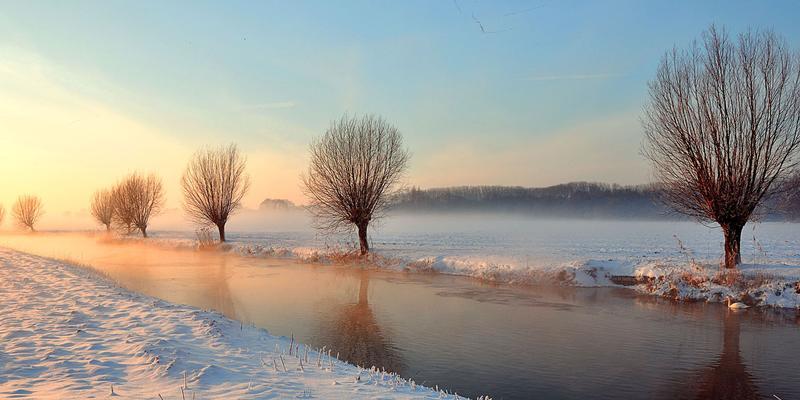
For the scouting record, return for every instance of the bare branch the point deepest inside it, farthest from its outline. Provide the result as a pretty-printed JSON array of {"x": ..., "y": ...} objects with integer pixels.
[
  {"x": 137, "y": 198},
  {"x": 102, "y": 207},
  {"x": 26, "y": 211},
  {"x": 355, "y": 167},
  {"x": 214, "y": 184},
  {"x": 722, "y": 127}
]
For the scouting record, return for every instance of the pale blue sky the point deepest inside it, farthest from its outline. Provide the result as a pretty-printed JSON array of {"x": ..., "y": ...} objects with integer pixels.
[{"x": 553, "y": 96}]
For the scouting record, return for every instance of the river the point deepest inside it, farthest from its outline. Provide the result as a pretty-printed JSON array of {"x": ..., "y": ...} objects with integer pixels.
[{"x": 466, "y": 335}]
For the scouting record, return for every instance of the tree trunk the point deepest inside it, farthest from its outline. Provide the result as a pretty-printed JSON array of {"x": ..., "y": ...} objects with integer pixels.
[
  {"x": 733, "y": 239},
  {"x": 144, "y": 231},
  {"x": 362, "y": 238},
  {"x": 221, "y": 229},
  {"x": 108, "y": 227}
]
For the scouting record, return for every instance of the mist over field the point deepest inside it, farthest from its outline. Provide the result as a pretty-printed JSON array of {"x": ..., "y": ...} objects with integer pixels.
[
  {"x": 518, "y": 239},
  {"x": 506, "y": 199}
]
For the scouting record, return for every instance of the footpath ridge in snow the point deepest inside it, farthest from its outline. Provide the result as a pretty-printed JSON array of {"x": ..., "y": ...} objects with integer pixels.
[{"x": 66, "y": 332}]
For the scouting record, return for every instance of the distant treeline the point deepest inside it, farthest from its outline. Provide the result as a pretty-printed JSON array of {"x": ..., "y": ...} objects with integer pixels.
[{"x": 572, "y": 200}]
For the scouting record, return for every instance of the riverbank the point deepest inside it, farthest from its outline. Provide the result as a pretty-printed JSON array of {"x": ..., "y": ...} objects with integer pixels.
[
  {"x": 756, "y": 285},
  {"x": 67, "y": 332},
  {"x": 770, "y": 278},
  {"x": 770, "y": 283}
]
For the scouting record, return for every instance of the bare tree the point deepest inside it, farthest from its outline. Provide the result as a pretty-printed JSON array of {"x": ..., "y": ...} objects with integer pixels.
[
  {"x": 2, "y": 213},
  {"x": 137, "y": 198},
  {"x": 103, "y": 207},
  {"x": 27, "y": 210},
  {"x": 788, "y": 204},
  {"x": 722, "y": 128},
  {"x": 213, "y": 184},
  {"x": 122, "y": 216},
  {"x": 354, "y": 168}
]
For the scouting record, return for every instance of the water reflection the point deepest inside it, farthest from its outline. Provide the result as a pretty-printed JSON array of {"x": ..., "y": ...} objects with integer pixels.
[
  {"x": 727, "y": 378},
  {"x": 219, "y": 291},
  {"x": 472, "y": 337},
  {"x": 354, "y": 332}
]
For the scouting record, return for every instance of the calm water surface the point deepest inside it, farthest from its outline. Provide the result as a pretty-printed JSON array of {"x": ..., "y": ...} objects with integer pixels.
[{"x": 468, "y": 336}]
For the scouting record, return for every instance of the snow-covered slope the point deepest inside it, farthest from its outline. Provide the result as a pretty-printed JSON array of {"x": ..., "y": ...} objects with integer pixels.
[{"x": 66, "y": 332}]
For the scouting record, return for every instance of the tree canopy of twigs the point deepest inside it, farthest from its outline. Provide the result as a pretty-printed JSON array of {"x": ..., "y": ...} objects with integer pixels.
[
  {"x": 137, "y": 198},
  {"x": 122, "y": 217},
  {"x": 722, "y": 128},
  {"x": 102, "y": 207},
  {"x": 214, "y": 184},
  {"x": 355, "y": 166},
  {"x": 788, "y": 203},
  {"x": 26, "y": 211}
]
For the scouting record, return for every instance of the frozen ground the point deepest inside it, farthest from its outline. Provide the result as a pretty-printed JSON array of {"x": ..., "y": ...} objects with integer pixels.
[
  {"x": 66, "y": 332},
  {"x": 674, "y": 259}
]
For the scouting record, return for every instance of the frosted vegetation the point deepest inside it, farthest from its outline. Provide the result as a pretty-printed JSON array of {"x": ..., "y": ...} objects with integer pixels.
[{"x": 676, "y": 259}]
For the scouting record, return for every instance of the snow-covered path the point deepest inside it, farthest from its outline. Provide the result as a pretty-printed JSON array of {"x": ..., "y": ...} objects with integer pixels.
[{"x": 67, "y": 333}]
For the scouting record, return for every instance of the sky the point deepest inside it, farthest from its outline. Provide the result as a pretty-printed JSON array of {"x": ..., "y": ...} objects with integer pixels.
[{"x": 527, "y": 93}]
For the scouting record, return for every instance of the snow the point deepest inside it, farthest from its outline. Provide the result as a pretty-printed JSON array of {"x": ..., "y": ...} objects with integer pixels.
[
  {"x": 765, "y": 284},
  {"x": 658, "y": 255},
  {"x": 66, "y": 332},
  {"x": 775, "y": 285}
]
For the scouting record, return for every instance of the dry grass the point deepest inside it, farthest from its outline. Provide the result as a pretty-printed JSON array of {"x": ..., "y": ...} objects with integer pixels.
[
  {"x": 349, "y": 257},
  {"x": 728, "y": 278},
  {"x": 734, "y": 279},
  {"x": 693, "y": 279},
  {"x": 756, "y": 280},
  {"x": 205, "y": 239},
  {"x": 650, "y": 283},
  {"x": 564, "y": 276},
  {"x": 423, "y": 265}
]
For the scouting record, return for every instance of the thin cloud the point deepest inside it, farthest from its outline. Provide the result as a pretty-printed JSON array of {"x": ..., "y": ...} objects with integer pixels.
[
  {"x": 573, "y": 77},
  {"x": 271, "y": 106}
]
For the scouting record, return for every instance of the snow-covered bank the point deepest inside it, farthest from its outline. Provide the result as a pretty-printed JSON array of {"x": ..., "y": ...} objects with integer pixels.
[
  {"x": 65, "y": 332},
  {"x": 677, "y": 276},
  {"x": 774, "y": 285}
]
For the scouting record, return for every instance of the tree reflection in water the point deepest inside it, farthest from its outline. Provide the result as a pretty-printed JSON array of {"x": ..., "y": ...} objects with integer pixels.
[
  {"x": 727, "y": 378},
  {"x": 220, "y": 292},
  {"x": 355, "y": 334}
]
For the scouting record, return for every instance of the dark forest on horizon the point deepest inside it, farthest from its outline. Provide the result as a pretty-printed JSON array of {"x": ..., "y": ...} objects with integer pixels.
[{"x": 569, "y": 200}]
